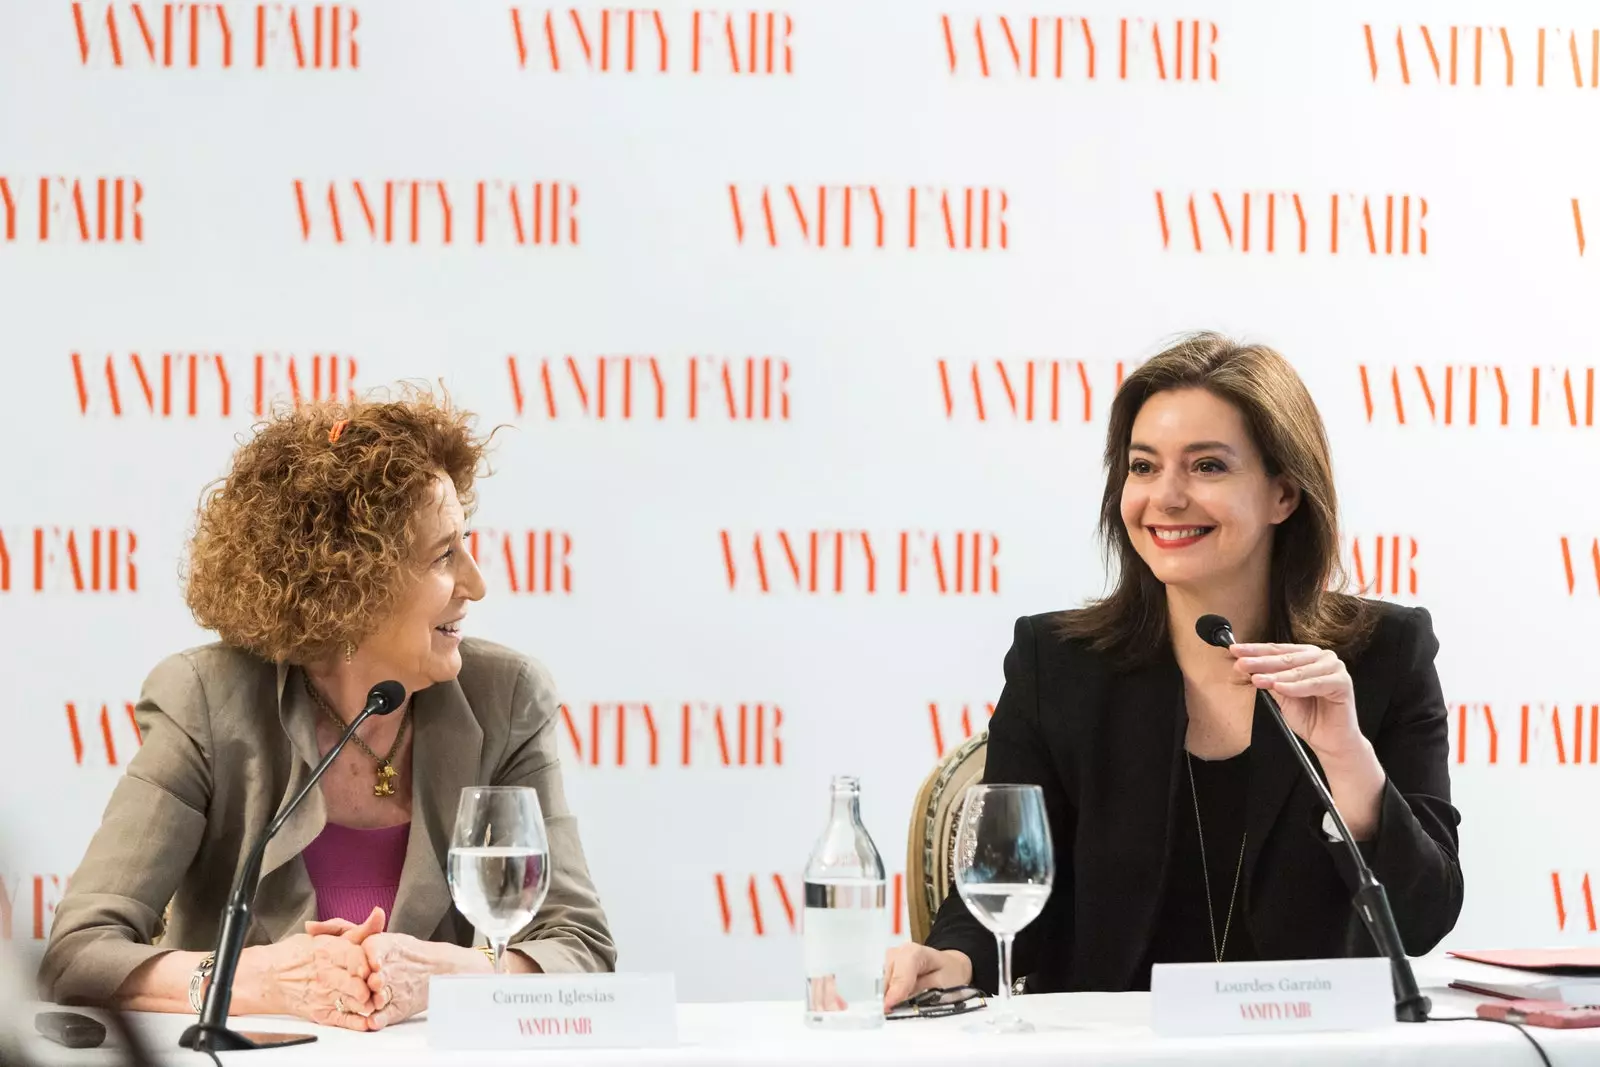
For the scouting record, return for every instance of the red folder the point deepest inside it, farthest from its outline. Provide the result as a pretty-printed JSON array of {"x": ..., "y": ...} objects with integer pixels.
[{"x": 1583, "y": 962}]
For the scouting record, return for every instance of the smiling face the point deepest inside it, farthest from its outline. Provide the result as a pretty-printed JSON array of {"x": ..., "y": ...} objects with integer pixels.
[
  {"x": 420, "y": 644},
  {"x": 1197, "y": 501}
]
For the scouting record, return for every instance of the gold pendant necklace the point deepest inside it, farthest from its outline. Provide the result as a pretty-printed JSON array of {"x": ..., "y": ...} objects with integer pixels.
[
  {"x": 1217, "y": 950},
  {"x": 384, "y": 786}
]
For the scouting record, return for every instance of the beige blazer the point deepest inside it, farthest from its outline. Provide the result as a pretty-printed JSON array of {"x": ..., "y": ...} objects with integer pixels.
[{"x": 228, "y": 739}]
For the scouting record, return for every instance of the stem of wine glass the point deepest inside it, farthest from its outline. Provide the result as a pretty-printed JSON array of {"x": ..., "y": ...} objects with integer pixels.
[
  {"x": 1003, "y": 1008},
  {"x": 499, "y": 946}
]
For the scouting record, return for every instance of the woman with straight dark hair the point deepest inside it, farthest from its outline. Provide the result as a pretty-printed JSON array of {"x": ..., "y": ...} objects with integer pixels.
[{"x": 1183, "y": 828}]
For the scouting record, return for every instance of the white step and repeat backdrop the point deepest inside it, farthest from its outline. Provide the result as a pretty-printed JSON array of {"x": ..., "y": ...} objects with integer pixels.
[{"x": 803, "y": 322}]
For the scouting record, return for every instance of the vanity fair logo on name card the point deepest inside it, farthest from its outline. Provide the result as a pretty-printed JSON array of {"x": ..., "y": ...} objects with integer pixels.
[
  {"x": 539, "y": 1011},
  {"x": 1270, "y": 997}
]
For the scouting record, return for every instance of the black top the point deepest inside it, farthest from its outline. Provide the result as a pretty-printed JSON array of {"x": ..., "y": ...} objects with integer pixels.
[
  {"x": 1183, "y": 931},
  {"x": 1106, "y": 745}
]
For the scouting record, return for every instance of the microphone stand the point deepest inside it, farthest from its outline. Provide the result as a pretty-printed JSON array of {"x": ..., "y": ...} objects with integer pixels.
[
  {"x": 1371, "y": 901},
  {"x": 211, "y": 1033}
]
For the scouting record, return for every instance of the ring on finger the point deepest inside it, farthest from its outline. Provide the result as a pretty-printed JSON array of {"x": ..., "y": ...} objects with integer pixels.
[{"x": 338, "y": 1003}]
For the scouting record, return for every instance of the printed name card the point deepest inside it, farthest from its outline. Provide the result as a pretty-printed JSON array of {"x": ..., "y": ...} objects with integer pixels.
[
  {"x": 1271, "y": 997},
  {"x": 532, "y": 1011}
]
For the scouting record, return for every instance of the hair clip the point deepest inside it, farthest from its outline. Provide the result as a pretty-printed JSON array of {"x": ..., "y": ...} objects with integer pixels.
[{"x": 337, "y": 430}]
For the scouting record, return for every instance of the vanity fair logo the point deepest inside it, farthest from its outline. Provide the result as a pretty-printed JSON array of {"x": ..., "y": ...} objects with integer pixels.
[
  {"x": 56, "y": 559},
  {"x": 192, "y": 385},
  {"x": 952, "y": 726},
  {"x": 969, "y": 218},
  {"x": 534, "y": 562},
  {"x": 1384, "y": 565},
  {"x": 71, "y": 209},
  {"x": 1275, "y": 222},
  {"x": 1574, "y": 899},
  {"x": 770, "y": 905},
  {"x": 624, "y": 388},
  {"x": 28, "y": 904},
  {"x": 1539, "y": 734},
  {"x": 1074, "y": 48},
  {"x": 1577, "y": 225},
  {"x": 1580, "y": 558},
  {"x": 691, "y": 733},
  {"x": 217, "y": 36},
  {"x": 1028, "y": 390},
  {"x": 648, "y": 40},
  {"x": 837, "y": 562},
  {"x": 95, "y": 736},
  {"x": 1478, "y": 395},
  {"x": 407, "y": 211},
  {"x": 1448, "y": 56}
]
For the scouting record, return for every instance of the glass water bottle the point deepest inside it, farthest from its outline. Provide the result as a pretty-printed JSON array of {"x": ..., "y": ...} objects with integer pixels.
[{"x": 846, "y": 930}]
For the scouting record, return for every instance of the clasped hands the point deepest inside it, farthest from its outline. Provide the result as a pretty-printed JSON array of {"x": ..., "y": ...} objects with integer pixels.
[{"x": 359, "y": 977}]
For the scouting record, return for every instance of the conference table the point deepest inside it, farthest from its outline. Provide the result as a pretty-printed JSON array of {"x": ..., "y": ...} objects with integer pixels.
[{"x": 1077, "y": 1029}]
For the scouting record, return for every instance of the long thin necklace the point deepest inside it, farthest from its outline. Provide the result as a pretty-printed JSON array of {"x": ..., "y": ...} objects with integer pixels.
[
  {"x": 384, "y": 787},
  {"x": 1217, "y": 950}
]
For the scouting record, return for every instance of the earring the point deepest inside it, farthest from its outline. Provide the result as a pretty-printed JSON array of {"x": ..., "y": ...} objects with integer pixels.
[{"x": 349, "y": 651}]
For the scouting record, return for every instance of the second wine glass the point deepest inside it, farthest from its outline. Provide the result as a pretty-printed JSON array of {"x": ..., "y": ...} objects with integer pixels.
[
  {"x": 1004, "y": 869},
  {"x": 499, "y": 862}
]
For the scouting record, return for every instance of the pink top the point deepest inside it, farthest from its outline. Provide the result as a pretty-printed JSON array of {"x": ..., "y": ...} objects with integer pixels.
[{"x": 354, "y": 871}]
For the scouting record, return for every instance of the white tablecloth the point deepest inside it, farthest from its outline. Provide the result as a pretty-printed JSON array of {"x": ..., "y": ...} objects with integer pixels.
[{"x": 1077, "y": 1029}]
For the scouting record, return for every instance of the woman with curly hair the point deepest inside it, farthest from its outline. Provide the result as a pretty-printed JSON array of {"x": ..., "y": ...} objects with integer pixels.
[{"x": 330, "y": 558}]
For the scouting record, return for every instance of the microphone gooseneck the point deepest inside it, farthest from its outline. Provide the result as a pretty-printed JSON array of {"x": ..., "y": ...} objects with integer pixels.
[
  {"x": 211, "y": 1033},
  {"x": 1371, "y": 901}
]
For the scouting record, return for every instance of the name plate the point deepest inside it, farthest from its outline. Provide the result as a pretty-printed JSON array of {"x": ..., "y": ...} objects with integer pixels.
[
  {"x": 1270, "y": 997},
  {"x": 529, "y": 1011}
]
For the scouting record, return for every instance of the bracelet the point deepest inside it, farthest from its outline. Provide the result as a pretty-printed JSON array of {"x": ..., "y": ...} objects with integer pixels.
[
  {"x": 197, "y": 982},
  {"x": 489, "y": 952}
]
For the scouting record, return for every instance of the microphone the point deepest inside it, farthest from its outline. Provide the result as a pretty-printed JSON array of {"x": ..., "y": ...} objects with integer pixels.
[
  {"x": 1371, "y": 901},
  {"x": 211, "y": 1033}
]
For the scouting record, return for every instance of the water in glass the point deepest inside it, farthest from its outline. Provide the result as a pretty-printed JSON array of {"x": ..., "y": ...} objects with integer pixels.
[
  {"x": 1004, "y": 868},
  {"x": 499, "y": 889},
  {"x": 499, "y": 861}
]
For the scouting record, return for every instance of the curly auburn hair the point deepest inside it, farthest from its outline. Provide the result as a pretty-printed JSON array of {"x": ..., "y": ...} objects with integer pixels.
[{"x": 308, "y": 541}]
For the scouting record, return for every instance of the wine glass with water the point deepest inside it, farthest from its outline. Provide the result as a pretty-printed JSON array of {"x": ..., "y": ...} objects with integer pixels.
[
  {"x": 499, "y": 862},
  {"x": 1004, "y": 867}
]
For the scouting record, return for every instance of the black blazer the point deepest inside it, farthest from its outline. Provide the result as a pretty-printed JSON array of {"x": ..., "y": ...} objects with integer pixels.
[{"x": 1106, "y": 746}]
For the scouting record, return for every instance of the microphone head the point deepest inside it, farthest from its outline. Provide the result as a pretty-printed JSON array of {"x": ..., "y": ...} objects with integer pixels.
[
  {"x": 385, "y": 697},
  {"x": 1214, "y": 630}
]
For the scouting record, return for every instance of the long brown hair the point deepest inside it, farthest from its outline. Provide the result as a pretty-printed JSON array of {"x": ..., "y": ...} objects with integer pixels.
[{"x": 1305, "y": 605}]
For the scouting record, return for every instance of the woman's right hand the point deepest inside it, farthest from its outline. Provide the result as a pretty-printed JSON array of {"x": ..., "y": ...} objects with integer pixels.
[
  {"x": 322, "y": 978},
  {"x": 911, "y": 968}
]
